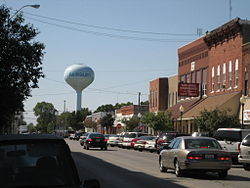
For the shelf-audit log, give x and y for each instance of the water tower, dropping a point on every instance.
(79, 76)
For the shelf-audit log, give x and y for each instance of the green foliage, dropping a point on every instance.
(90, 124)
(20, 63)
(72, 119)
(111, 108)
(158, 121)
(31, 128)
(107, 121)
(210, 121)
(46, 114)
(131, 123)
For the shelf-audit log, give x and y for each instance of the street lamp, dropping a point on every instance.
(181, 109)
(139, 117)
(242, 102)
(33, 6)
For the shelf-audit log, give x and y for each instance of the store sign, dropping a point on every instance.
(192, 66)
(246, 116)
(188, 90)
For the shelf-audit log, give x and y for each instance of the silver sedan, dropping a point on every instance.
(189, 153)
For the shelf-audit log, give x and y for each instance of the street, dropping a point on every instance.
(128, 168)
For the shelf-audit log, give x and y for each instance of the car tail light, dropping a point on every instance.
(224, 158)
(90, 140)
(105, 140)
(239, 148)
(194, 157)
(145, 143)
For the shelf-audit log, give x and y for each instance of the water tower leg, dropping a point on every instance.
(78, 100)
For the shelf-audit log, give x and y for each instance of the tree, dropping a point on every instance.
(209, 121)
(105, 108)
(107, 121)
(131, 123)
(31, 128)
(90, 124)
(72, 119)
(20, 60)
(158, 121)
(46, 114)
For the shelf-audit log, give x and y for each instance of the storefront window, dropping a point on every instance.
(212, 79)
(224, 76)
(236, 80)
(230, 74)
(218, 77)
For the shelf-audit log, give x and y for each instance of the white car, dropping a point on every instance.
(230, 139)
(129, 136)
(113, 140)
(150, 144)
(244, 152)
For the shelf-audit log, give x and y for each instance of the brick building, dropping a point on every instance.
(219, 62)
(162, 93)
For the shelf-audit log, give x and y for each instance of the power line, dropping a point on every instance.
(112, 35)
(110, 28)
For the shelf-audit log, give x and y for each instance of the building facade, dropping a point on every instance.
(219, 63)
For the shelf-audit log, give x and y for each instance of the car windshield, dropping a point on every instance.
(147, 137)
(228, 135)
(202, 144)
(37, 163)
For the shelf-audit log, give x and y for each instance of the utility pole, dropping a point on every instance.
(139, 102)
(230, 9)
(64, 105)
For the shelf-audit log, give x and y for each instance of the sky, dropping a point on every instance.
(127, 43)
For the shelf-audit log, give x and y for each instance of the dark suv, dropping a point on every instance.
(38, 161)
(165, 138)
(95, 140)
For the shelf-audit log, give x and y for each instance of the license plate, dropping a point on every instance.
(97, 140)
(209, 156)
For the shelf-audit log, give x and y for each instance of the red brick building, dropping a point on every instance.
(219, 62)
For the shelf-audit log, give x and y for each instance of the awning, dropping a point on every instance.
(229, 102)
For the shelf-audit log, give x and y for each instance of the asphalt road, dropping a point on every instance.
(132, 169)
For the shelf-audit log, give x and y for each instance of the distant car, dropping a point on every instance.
(129, 136)
(77, 135)
(165, 138)
(150, 144)
(195, 154)
(230, 139)
(244, 152)
(72, 136)
(142, 141)
(113, 140)
(95, 140)
(82, 138)
(38, 160)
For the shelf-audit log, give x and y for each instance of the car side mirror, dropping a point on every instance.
(91, 183)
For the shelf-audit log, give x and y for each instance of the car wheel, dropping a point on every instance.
(140, 150)
(101, 148)
(178, 171)
(105, 148)
(162, 168)
(112, 145)
(87, 147)
(246, 166)
(223, 174)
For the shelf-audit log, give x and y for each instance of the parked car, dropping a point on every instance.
(150, 144)
(37, 160)
(95, 140)
(129, 136)
(244, 152)
(189, 153)
(165, 138)
(77, 135)
(142, 141)
(72, 136)
(113, 140)
(82, 138)
(230, 139)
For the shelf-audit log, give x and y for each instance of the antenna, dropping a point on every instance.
(230, 9)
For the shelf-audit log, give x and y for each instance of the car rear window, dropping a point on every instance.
(201, 144)
(246, 141)
(228, 135)
(23, 164)
(130, 135)
(96, 135)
